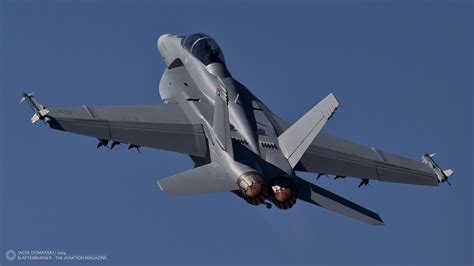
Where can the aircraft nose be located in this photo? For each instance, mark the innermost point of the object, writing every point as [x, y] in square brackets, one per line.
[162, 38]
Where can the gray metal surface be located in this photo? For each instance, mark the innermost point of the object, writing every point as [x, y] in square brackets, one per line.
[299, 136]
[157, 126]
[204, 179]
[221, 124]
[235, 141]
[336, 156]
[316, 195]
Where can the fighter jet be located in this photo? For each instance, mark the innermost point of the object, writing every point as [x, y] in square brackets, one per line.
[237, 143]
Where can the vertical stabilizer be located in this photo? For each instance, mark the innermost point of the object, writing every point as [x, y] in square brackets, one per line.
[221, 124]
[297, 138]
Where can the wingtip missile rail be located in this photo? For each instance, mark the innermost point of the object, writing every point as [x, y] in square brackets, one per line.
[442, 175]
[39, 109]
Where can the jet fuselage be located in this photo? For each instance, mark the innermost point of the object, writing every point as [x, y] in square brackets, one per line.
[205, 64]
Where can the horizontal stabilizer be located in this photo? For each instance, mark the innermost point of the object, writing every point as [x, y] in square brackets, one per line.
[204, 179]
[299, 136]
[316, 195]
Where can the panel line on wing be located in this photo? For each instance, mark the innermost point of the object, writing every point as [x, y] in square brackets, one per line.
[379, 154]
[88, 111]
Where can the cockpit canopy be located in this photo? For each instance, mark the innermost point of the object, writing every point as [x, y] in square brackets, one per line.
[204, 48]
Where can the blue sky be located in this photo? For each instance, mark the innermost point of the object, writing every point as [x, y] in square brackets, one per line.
[402, 73]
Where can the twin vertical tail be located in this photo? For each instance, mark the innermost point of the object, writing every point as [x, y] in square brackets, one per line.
[211, 177]
[297, 138]
[221, 124]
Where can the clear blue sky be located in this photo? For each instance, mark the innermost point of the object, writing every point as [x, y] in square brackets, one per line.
[402, 73]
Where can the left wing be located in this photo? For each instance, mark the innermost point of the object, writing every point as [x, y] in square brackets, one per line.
[161, 126]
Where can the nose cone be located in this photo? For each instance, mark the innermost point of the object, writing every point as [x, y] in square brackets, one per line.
[161, 39]
[160, 44]
[169, 47]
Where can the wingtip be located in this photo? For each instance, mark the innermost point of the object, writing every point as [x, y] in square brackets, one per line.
[379, 221]
[333, 98]
[24, 95]
[374, 218]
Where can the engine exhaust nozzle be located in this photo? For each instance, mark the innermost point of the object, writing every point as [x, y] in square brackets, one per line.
[253, 188]
[284, 193]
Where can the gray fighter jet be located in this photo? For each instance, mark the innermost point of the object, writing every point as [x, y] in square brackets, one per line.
[237, 144]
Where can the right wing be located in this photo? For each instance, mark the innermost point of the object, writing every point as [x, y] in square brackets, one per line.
[335, 156]
[161, 126]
